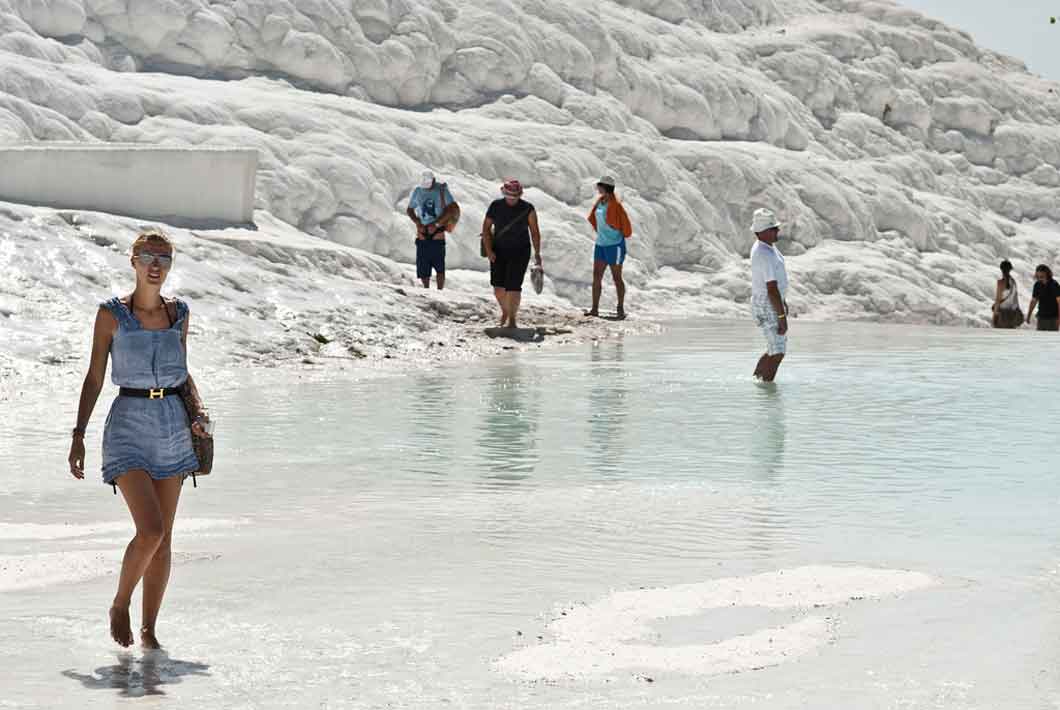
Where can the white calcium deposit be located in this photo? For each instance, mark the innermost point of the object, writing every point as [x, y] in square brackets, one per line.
[904, 160]
[610, 634]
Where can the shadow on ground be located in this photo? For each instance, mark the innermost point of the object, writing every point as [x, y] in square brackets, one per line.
[136, 678]
[526, 335]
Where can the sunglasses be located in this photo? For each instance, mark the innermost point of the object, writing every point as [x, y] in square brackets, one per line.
[147, 258]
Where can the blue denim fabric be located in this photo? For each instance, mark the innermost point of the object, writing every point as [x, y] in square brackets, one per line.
[141, 433]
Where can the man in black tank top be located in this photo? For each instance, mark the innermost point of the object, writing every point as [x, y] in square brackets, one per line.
[508, 231]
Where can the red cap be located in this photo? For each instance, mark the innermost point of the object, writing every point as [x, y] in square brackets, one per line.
[512, 187]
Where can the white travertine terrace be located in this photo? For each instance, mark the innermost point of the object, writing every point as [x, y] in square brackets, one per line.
[905, 160]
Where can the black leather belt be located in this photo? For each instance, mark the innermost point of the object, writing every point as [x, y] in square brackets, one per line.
[159, 393]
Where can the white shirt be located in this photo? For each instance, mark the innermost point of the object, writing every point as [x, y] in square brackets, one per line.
[767, 265]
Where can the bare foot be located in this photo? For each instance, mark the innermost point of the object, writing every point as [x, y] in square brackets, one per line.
[120, 629]
[592, 313]
[621, 313]
[504, 319]
[148, 639]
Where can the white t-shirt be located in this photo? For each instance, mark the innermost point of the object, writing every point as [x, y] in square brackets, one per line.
[767, 265]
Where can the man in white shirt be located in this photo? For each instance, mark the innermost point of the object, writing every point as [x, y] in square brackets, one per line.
[769, 286]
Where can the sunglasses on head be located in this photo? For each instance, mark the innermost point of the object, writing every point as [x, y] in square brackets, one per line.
[147, 258]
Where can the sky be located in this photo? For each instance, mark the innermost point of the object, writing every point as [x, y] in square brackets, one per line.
[1019, 28]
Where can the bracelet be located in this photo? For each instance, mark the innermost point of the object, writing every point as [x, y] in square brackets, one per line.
[782, 315]
[78, 431]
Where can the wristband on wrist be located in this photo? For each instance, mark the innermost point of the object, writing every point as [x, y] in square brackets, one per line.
[78, 431]
[783, 315]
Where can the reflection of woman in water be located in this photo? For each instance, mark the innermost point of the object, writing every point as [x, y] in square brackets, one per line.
[608, 409]
[1007, 312]
[147, 445]
[508, 441]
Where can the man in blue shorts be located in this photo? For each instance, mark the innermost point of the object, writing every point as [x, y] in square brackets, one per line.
[434, 212]
[613, 228]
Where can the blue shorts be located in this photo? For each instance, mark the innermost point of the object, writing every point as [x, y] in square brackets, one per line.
[430, 254]
[613, 255]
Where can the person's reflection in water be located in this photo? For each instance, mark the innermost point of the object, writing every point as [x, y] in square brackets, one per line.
[767, 527]
[432, 436]
[769, 436]
[136, 680]
[508, 443]
[608, 409]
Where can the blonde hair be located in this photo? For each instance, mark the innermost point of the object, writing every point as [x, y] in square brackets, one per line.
[151, 236]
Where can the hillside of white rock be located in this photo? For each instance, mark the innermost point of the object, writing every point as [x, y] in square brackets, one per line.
[904, 160]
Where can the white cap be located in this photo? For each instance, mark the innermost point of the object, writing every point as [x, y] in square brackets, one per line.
[764, 220]
[606, 180]
[426, 179]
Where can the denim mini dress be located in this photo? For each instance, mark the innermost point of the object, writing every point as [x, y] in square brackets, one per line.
[141, 433]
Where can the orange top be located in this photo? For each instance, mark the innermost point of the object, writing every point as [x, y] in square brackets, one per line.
[616, 216]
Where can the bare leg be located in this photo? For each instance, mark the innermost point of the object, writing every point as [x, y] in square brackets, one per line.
[620, 289]
[514, 299]
[157, 575]
[502, 298]
[441, 280]
[139, 493]
[426, 282]
[598, 286]
[760, 368]
[772, 365]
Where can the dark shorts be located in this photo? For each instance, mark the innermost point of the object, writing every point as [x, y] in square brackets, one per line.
[614, 255]
[1048, 324]
[509, 270]
[430, 254]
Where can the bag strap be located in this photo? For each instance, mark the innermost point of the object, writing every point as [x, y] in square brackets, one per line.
[169, 313]
[165, 306]
[498, 235]
[442, 188]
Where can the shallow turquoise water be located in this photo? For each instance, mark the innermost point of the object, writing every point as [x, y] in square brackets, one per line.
[398, 534]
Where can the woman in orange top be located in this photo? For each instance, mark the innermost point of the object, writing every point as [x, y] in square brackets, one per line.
[613, 228]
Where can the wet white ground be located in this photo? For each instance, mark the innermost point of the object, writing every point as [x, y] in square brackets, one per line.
[630, 525]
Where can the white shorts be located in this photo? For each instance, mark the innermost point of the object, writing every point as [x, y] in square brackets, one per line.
[767, 321]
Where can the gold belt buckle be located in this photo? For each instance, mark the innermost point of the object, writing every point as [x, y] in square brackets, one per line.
[157, 394]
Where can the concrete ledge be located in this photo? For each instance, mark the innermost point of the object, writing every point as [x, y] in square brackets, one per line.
[185, 184]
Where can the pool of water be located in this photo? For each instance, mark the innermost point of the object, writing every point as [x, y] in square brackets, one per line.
[476, 535]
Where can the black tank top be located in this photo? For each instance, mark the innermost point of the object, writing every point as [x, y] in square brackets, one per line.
[518, 216]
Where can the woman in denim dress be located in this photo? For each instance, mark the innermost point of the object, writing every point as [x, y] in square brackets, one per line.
[147, 445]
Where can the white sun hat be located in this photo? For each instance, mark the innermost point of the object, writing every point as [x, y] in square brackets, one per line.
[426, 179]
[763, 220]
